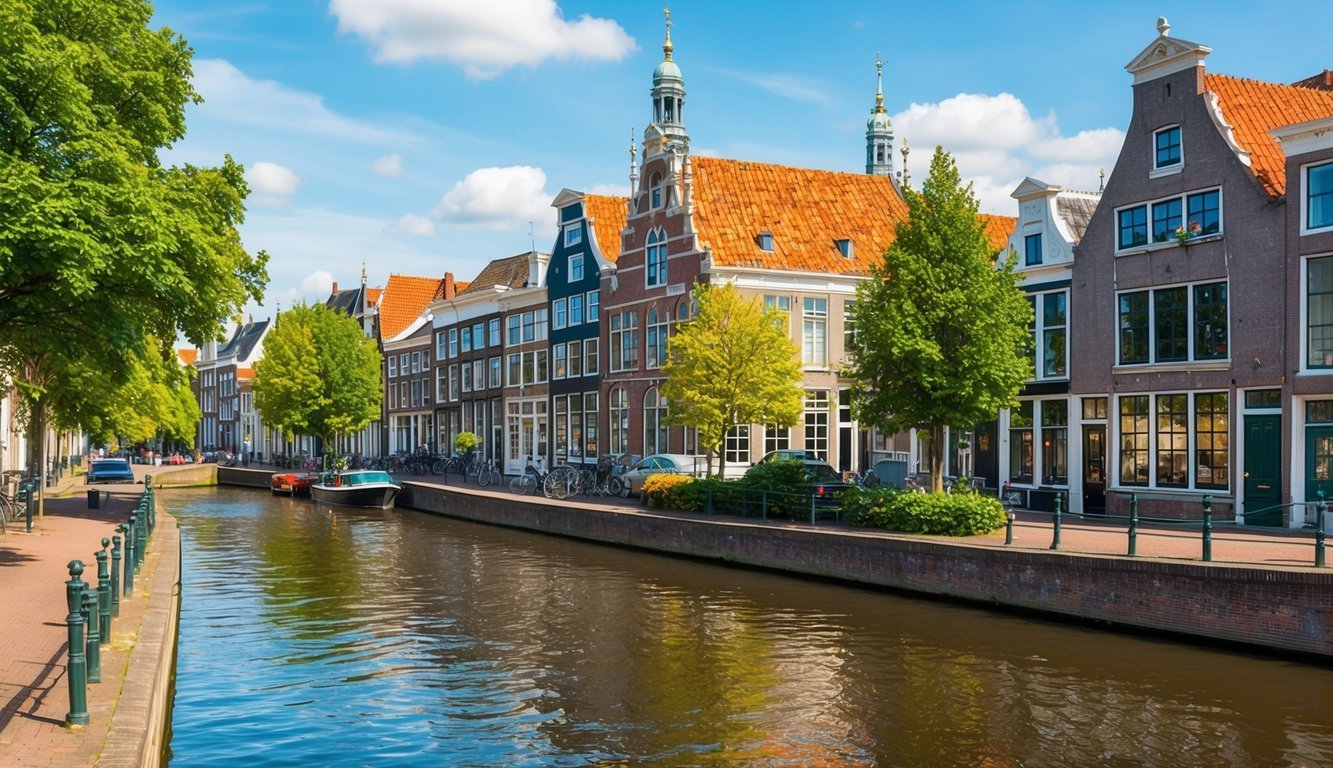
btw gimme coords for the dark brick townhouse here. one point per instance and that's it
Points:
(1195, 302)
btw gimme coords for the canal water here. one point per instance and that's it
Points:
(394, 638)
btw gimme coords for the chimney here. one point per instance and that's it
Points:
(335, 287)
(1322, 81)
(448, 285)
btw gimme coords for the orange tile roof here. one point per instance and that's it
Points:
(998, 229)
(608, 215)
(244, 374)
(404, 298)
(187, 355)
(807, 212)
(373, 295)
(1254, 108)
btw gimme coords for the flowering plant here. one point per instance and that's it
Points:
(1184, 233)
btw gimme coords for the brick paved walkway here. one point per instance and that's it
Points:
(34, 691)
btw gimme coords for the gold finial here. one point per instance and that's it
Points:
(667, 47)
(633, 149)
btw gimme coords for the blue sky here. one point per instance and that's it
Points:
(424, 136)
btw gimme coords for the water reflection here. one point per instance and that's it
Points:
(395, 638)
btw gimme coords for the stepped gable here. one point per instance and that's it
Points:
(510, 272)
(403, 300)
(807, 212)
(607, 214)
(1253, 108)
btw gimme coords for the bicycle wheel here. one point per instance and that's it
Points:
(486, 475)
(437, 466)
(522, 484)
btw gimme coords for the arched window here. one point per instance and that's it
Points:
(654, 422)
(619, 411)
(655, 259)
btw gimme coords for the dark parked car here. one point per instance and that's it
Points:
(110, 471)
(821, 478)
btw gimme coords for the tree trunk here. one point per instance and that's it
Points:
(935, 447)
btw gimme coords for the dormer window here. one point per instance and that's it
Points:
(765, 241)
(1032, 250)
(1166, 149)
(845, 248)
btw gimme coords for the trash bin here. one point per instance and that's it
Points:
(94, 499)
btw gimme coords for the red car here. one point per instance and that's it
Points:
(291, 483)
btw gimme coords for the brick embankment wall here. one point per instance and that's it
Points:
(246, 478)
(1279, 609)
(187, 476)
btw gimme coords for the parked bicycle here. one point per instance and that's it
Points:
(528, 481)
(488, 473)
(562, 482)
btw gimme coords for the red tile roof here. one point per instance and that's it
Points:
(998, 229)
(404, 298)
(608, 215)
(1254, 108)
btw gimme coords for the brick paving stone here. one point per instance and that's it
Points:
(34, 690)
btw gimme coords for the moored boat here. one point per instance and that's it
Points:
(356, 488)
(291, 483)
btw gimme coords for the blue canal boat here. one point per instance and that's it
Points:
(356, 488)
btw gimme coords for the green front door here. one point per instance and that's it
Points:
(1263, 462)
(1318, 464)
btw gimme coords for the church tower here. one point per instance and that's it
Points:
(667, 130)
(879, 131)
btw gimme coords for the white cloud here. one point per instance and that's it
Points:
(317, 283)
(412, 224)
(997, 142)
(272, 184)
(484, 38)
(231, 96)
(389, 165)
(616, 190)
(499, 198)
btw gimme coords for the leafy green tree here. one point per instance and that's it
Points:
(732, 364)
(942, 334)
(320, 375)
(105, 252)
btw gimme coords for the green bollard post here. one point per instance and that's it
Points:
(92, 617)
(148, 496)
(115, 573)
(1319, 533)
(1207, 528)
(1133, 524)
(103, 593)
(1009, 527)
(77, 673)
(140, 537)
(763, 505)
(708, 501)
(31, 503)
(1055, 539)
(129, 557)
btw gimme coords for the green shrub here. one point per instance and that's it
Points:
(940, 514)
(693, 496)
(781, 476)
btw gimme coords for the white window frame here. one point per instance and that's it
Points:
(559, 313)
(1039, 334)
(1166, 170)
(814, 351)
(1115, 442)
(1305, 197)
(655, 259)
(575, 267)
(573, 235)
